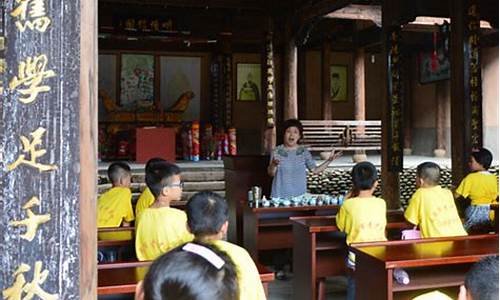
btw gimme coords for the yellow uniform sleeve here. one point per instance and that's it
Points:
(340, 218)
(249, 281)
(127, 207)
(464, 188)
(145, 200)
(412, 213)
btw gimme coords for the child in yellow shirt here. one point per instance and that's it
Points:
(431, 207)
(160, 227)
(191, 271)
(362, 216)
(481, 187)
(146, 198)
(208, 220)
(114, 208)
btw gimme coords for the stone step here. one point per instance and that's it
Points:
(188, 176)
(185, 195)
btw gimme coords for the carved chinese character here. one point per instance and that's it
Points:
(33, 221)
(31, 14)
(33, 153)
(16, 291)
(30, 75)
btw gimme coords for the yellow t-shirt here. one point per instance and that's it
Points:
(363, 219)
(248, 276)
(159, 230)
(435, 295)
(433, 210)
(480, 187)
(113, 207)
(145, 200)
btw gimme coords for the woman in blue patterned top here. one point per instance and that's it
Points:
(289, 162)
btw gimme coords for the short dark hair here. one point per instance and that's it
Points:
(483, 156)
(160, 175)
(430, 172)
(206, 213)
(364, 175)
(292, 123)
(117, 170)
(184, 275)
(151, 162)
(482, 279)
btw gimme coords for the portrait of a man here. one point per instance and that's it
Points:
(248, 82)
(338, 83)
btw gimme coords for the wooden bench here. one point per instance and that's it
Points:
(323, 135)
(317, 254)
(122, 277)
(115, 243)
(431, 264)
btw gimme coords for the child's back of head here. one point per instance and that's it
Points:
(151, 163)
(194, 271)
(429, 173)
(364, 176)
(119, 173)
(206, 213)
(483, 157)
(160, 175)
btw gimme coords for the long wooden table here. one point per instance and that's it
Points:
(122, 278)
(318, 254)
(261, 233)
(430, 263)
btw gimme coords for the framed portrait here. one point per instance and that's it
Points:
(338, 83)
(180, 85)
(433, 70)
(137, 80)
(248, 82)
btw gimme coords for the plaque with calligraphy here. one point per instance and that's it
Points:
(395, 94)
(39, 142)
(472, 74)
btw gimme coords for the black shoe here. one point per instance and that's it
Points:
(281, 275)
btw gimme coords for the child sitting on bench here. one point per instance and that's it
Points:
(208, 220)
(362, 216)
(432, 208)
(160, 227)
(192, 271)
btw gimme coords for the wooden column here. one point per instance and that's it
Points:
(359, 97)
(440, 96)
(290, 109)
(391, 109)
(407, 107)
(270, 131)
(466, 111)
(48, 151)
(325, 80)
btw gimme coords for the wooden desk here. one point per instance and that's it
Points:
(317, 255)
(122, 278)
(430, 263)
(115, 243)
(276, 233)
(494, 208)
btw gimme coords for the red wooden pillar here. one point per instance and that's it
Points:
(325, 80)
(290, 109)
(359, 97)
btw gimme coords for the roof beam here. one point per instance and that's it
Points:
(359, 12)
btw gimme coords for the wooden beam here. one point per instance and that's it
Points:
(359, 12)
(308, 12)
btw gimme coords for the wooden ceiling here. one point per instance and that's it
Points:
(347, 24)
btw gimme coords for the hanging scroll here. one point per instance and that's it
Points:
(228, 83)
(39, 142)
(472, 74)
(395, 149)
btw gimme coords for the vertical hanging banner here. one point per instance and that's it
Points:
(40, 154)
(228, 85)
(472, 72)
(395, 150)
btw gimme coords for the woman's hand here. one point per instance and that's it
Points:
(334, 155)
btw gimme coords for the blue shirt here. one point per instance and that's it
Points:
(290, 179)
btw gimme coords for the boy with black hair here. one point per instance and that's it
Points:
(114, 207)
(362, 216)
(207, 215)
(146, 198)
(481, 187)
(160, 227)
(481, 282)
(432, 207)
